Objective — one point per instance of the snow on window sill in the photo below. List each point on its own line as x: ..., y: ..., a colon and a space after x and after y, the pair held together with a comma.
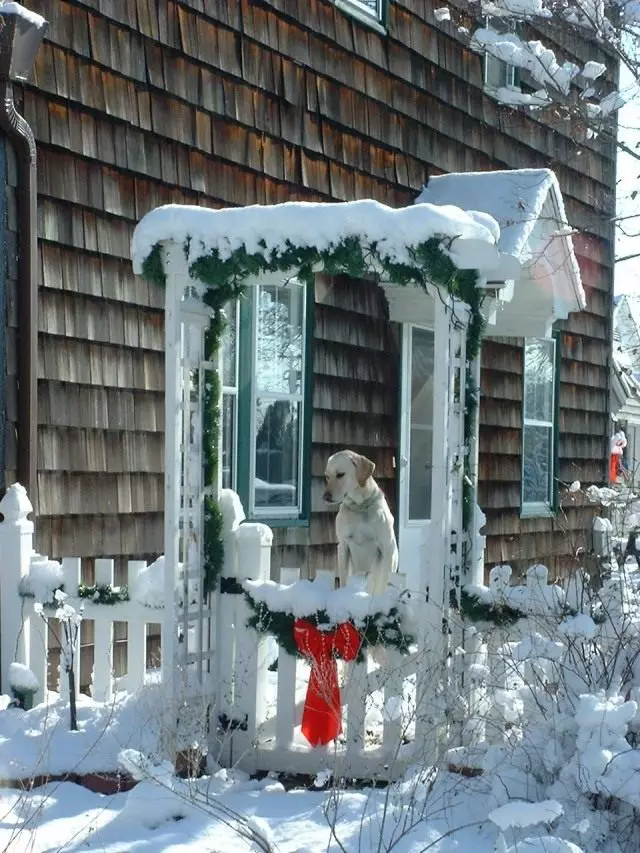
x: 541, y: 509
x: 364, y: 17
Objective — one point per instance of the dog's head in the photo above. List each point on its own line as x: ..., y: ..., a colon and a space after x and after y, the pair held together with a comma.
x: 346, y: 472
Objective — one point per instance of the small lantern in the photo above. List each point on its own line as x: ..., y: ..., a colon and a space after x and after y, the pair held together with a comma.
x: 21, y: 33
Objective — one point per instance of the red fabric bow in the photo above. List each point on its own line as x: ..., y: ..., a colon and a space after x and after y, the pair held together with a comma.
x: 322, y: 715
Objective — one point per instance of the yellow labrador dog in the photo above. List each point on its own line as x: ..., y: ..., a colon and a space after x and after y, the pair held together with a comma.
x: 364, y: 524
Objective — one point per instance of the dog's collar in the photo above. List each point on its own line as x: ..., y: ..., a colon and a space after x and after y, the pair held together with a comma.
x: 362, y: 506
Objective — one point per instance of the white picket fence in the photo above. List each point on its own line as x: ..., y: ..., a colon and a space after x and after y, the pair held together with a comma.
x: 396, y: 710
x: 254, y: 713
x: 25, y: 637
x: 266, y: 706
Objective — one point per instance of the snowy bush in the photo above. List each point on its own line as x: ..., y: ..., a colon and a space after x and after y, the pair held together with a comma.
x: 68, y: 619
x: 23, y: 684
x: 563, y: 719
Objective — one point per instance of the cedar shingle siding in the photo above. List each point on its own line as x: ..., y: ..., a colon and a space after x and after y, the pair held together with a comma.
x: 136, y: 103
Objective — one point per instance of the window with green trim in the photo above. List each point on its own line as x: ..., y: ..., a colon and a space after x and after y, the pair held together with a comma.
x: 372, y: 12
x: 266, y: 405
x: 539, y: 426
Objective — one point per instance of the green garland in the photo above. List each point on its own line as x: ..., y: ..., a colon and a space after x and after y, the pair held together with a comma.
x: 429, y: 264
x: 381, y: 629
x: 97, y: 593
x: 103, y: 593
x: 472, y: 608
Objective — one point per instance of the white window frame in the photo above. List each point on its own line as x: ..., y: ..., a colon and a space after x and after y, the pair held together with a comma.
x: 269, y: 512
x: 363, y: 12
x: 406, y: 425
x: 537, y: 509
x: 233, y: 315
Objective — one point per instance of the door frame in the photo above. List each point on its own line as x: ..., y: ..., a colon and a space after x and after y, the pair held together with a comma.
x: 404, y: 523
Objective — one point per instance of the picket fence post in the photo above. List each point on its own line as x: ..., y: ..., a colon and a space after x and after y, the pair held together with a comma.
x: 253, y: 545
x: 16, y: 548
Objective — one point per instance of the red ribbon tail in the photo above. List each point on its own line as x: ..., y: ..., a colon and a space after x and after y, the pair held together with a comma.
x: 322, y: 715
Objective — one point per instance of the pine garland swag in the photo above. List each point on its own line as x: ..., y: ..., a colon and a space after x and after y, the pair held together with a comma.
x: 381, y: 629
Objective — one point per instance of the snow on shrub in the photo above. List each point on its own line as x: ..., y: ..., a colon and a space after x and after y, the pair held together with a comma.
x: 21, y: 679
x: 43, y: 578
x: 519, y: 813
x: 564, y: 692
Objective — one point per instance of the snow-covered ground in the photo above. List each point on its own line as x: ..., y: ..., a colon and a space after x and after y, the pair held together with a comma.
x: 450, y: 816
x: 559, y: 771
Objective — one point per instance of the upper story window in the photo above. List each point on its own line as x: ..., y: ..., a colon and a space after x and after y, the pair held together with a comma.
x: 538, y: 427
x: 266, y: 412
x: 371, y: 12
x: 499, y: 74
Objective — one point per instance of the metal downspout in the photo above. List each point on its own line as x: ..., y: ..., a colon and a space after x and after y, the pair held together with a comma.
x: 18, y: 130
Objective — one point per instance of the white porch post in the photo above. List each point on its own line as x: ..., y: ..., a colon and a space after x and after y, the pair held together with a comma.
x: 177, y: 278
x: 432, y: 566
x: 475, y: 565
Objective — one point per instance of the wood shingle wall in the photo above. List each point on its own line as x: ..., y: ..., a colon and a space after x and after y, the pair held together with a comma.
x: 136, y: 103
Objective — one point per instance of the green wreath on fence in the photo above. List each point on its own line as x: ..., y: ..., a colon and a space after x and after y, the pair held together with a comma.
x: 429, y: 264
x: 384, y: 628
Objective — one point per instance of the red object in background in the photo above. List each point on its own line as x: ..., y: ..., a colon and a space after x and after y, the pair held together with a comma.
x: 614, y: 468
x: 618, y: 444
x: 322, y: 715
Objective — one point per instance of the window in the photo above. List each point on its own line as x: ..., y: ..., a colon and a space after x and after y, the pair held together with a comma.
x: 372, y: 12
x: 538, y: 427
x: 499, y: 74
x: 421, y: 423
x: 265, y: 407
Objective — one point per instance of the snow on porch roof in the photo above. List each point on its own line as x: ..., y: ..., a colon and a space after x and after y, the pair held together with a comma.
x: 527, y: 205
x: 264, y: 228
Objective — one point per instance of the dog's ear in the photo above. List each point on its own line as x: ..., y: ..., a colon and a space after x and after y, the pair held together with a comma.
x: 364, y: 468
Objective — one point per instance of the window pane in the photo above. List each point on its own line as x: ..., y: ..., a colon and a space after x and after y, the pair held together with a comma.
x: 280, y: 339
x: 229, y: 346
x: 420, y: 469
x: 536, y: 464
x: 228, y: 440
x: 422, y: 377
x: 496, y: 72
x: 538, y: 379
x: 277, y: 455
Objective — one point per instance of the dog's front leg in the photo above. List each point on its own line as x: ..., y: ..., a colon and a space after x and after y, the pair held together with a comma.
x: 389, y: 556
x: 343, y: 563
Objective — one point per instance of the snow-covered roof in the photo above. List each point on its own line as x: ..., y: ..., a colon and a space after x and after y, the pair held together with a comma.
x: 470, y: 238
x: 626, y: 351
x: 626, y: 331
x: 527, y: 205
